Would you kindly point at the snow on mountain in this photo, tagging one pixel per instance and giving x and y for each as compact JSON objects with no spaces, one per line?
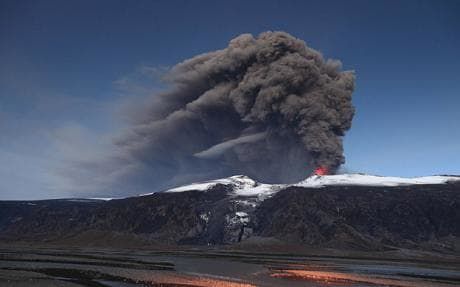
{"x":371,"y":180}
{"x":245,"y":186}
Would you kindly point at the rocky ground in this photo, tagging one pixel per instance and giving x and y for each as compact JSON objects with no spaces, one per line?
{"x":419,"y":217}
{"x":23,"y":265}
{"x":238,"y":233}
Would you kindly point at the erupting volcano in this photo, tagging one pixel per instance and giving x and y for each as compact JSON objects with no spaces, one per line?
{"x":322,"y":170}
{"x":266,"y":106}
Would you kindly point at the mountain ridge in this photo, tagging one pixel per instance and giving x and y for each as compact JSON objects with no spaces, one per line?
{"x":238,"y":210}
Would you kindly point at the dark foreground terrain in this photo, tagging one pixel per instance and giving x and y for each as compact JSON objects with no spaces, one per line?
{"x":366,"y":218}
{"x":404,"y":235}
{"x":72,"y":267}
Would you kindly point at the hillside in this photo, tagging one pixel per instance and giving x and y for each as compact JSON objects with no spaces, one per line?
{"x":340,"y":212}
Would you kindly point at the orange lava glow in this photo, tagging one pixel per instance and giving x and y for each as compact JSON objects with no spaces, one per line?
{"x":322,"y":170}
{"x":319,"y":276}
{"x":331,"y":277}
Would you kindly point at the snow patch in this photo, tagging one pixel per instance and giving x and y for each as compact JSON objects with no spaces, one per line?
{"x":371,"y":180}
{"x":240,"y":217}
{"x":241,"y":214}
{"x":244,"y":186}
{"x":250,"y":203}
{"x":205,"y":217}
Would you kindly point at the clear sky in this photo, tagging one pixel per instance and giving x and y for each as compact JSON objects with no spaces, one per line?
{"x":67,"y":68}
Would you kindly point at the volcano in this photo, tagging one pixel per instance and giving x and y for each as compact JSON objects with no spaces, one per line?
{"x":322,"y":170}
{"x":348,"y":211}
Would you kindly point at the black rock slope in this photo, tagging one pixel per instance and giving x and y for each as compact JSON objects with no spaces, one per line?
{"x":357,"y":217}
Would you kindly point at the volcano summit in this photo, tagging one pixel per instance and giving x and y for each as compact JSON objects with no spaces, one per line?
{"x":269,"y":107}
{"x":350,"y":211}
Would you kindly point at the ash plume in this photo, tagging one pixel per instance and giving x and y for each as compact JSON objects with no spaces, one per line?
{"x":269,"y":107}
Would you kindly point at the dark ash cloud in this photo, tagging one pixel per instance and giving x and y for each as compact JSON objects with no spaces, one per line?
{"x":269,"y":107}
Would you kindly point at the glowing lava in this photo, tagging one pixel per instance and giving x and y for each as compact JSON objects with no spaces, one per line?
{"x":335,"y":278}
{"x":322,"y":170}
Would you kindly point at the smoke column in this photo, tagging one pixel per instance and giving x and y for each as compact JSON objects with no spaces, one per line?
{"x":268,"y":107}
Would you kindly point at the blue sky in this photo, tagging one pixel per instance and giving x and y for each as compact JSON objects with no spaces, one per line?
{"x":68,"y":69}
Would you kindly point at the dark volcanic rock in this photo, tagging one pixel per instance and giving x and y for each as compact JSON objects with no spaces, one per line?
{"x":358,"y":217}
{"x":362,"y":216}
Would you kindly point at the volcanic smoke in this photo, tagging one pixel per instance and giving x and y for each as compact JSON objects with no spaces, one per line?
{"x":269,"y":107}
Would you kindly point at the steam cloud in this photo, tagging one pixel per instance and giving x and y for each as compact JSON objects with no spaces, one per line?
{"x":269,"y":107}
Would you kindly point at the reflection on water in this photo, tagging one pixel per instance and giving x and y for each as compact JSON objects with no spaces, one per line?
{"x":116,"y":283}
{"x":199,"y":281}
{"x":347,"y":279}
{"x":179,"y":281}
{"x":213,"y":269}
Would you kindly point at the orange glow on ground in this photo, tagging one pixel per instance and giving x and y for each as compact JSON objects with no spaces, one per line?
{"x":331,"y":277}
